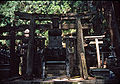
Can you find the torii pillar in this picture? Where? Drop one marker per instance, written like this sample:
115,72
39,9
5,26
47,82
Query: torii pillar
80,51
31,48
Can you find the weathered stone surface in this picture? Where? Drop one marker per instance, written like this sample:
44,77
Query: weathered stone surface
64,81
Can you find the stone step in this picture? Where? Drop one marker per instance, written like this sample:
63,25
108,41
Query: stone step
55,67
4,66
54,75
4,70
63,81
56,71
4,73
101,72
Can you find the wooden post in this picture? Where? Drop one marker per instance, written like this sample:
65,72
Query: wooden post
80,51
67,57
30,52
98,52
13,60
102,60
74,58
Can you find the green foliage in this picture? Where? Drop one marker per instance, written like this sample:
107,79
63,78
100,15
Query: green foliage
8,10
70,31
43,7
50,7
19,34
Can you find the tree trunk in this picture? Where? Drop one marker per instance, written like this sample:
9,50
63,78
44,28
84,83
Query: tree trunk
115,33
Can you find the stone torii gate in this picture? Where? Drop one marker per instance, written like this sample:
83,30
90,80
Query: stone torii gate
96,42
80,47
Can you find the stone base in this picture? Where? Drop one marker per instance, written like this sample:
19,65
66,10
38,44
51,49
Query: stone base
64,80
